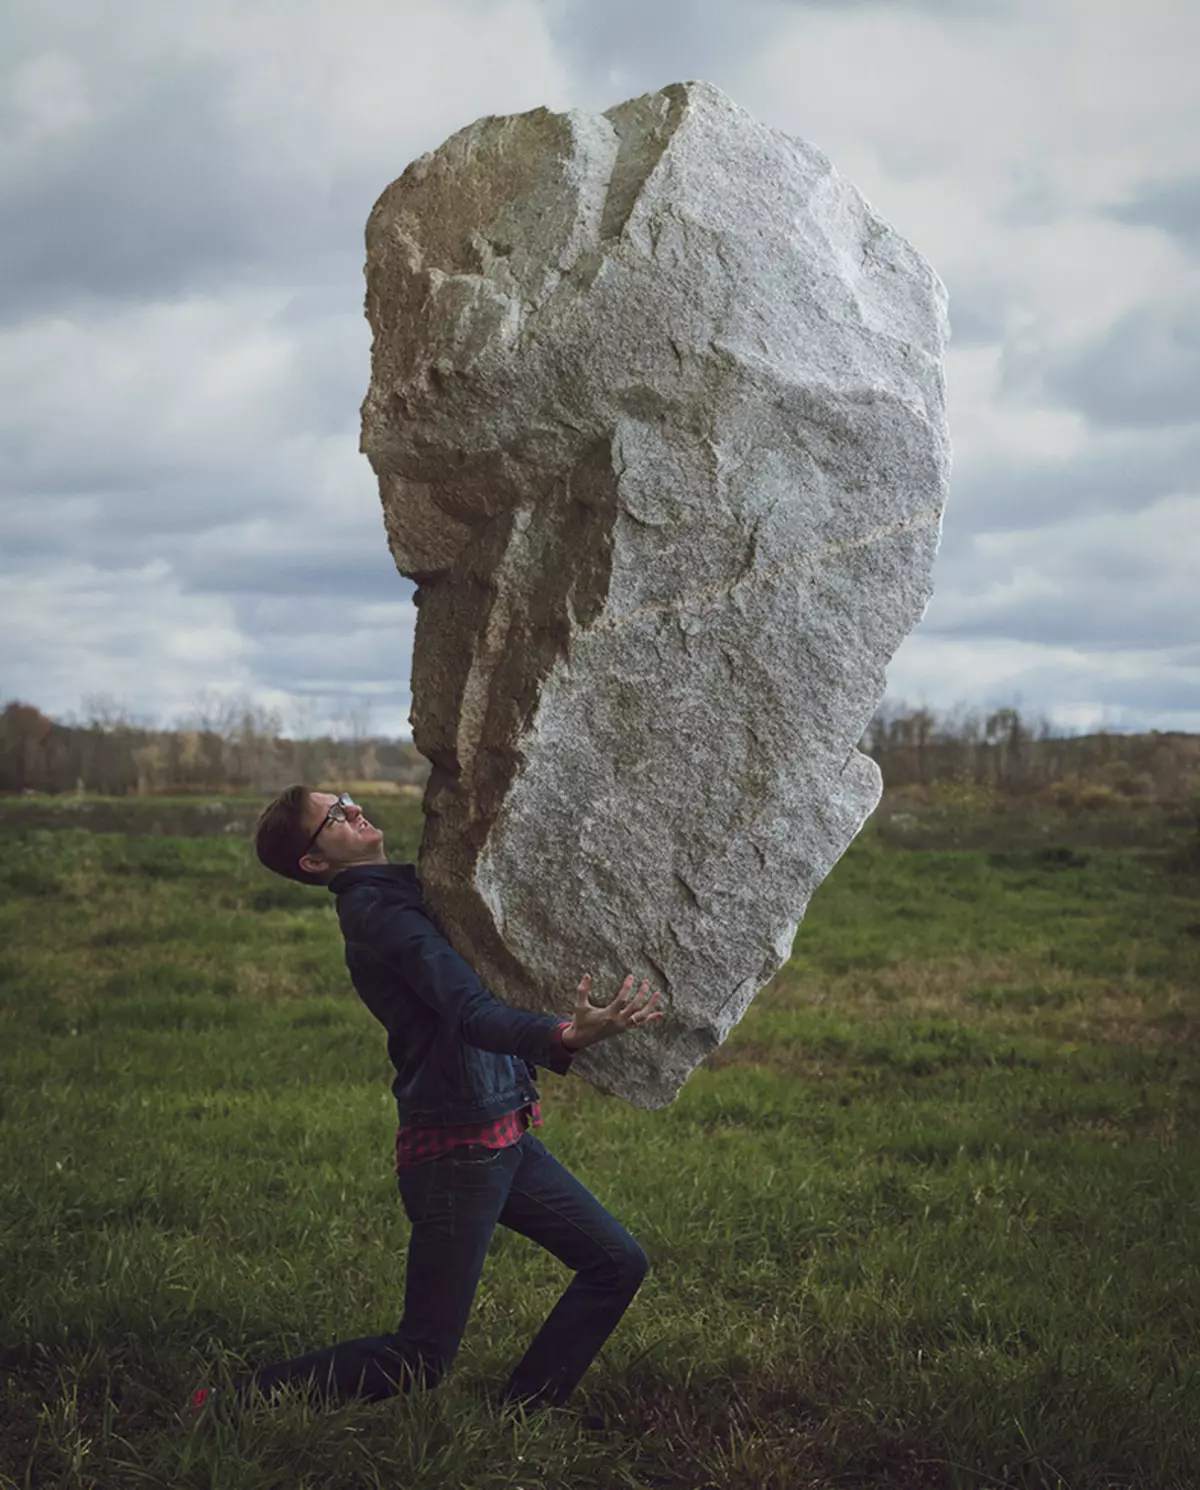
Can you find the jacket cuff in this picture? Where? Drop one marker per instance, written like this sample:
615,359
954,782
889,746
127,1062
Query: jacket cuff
561,1057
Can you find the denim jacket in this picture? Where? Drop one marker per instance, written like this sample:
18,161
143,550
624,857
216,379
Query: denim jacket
461,1055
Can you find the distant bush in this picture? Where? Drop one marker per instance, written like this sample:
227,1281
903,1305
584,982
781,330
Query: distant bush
966,796
1004,755
1085,796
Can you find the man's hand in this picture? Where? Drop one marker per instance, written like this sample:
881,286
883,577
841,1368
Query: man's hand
592,1024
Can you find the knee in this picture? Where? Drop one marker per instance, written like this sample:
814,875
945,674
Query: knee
632,1267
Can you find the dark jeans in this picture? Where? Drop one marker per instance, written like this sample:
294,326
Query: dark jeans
454,1204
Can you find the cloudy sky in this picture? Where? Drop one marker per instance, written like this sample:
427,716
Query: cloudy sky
185,513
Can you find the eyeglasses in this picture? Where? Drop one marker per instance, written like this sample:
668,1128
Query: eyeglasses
336,814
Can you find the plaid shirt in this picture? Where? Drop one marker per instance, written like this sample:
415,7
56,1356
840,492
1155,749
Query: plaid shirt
416,1145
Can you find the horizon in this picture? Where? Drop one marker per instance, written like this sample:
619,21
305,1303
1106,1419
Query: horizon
945,723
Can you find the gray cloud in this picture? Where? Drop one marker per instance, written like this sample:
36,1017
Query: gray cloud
141,514
648,46
320,646
1173,206
1145,371
1121,474
979,312
162,197
670,41
361,574
1157,692
1034,199
1099,583
343,556
1092,614
216,419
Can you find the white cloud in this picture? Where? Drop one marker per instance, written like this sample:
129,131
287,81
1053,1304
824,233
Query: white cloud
194,384
1134,688
987,428
47,101
136,636
364,86
1101,583
153,648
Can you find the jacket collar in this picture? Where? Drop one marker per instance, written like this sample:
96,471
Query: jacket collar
375,874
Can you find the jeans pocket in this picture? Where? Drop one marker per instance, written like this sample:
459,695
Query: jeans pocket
475,1156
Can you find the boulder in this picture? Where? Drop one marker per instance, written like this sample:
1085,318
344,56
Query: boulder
656,411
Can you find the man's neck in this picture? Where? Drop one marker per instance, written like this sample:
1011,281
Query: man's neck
377,857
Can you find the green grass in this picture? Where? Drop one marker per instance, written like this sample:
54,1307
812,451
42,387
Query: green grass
929,1218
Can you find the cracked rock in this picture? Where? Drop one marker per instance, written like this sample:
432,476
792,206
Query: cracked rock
656,411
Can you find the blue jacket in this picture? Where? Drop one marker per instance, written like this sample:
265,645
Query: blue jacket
461,1055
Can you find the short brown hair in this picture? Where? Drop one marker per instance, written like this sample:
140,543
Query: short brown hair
281,834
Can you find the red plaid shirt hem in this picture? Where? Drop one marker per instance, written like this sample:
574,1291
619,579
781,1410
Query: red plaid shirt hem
417,1145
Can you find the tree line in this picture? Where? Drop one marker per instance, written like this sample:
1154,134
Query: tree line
1004,753
233,747
237,746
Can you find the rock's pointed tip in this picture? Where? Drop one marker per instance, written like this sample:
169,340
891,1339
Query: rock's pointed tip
685,89
690,87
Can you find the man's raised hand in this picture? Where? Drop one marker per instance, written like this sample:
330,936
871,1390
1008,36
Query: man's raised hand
627,1011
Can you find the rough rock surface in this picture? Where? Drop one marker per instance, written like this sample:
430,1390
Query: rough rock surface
657,415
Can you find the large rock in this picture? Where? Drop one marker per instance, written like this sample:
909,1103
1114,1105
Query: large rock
657,414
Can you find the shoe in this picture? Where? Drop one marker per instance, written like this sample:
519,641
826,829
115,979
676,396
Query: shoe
201,1399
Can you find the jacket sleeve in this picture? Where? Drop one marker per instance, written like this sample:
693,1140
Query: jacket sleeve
407,941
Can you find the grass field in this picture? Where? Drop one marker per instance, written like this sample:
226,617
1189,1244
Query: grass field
931,1217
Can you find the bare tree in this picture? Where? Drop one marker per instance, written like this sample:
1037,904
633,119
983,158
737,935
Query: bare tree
26,749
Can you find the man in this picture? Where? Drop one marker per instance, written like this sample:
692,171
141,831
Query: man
465,1156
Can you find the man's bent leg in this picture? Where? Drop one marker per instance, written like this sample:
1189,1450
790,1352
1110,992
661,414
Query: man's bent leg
548,1204
453,1203
453,1221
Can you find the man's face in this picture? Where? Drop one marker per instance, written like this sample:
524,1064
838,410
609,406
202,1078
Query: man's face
339,845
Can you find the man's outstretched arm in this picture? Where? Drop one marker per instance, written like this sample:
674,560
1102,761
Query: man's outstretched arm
408,942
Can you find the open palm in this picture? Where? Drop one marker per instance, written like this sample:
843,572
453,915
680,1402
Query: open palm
591,1023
